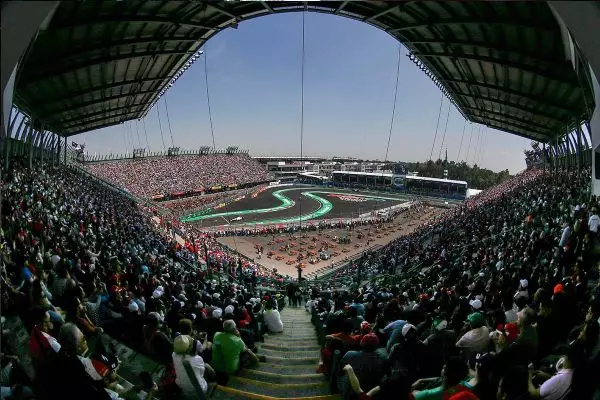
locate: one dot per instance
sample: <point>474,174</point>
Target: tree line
<point>476,177</point>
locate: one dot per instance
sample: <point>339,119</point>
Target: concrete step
<point>289,369</point>
<point>290,342</point>
<point>279,346</point>
<point>229,393</point>
<point>281,377</point>
<point>278,389</point>
<point>292,336</point>
<point>293,361</point>
<point>290,354</point>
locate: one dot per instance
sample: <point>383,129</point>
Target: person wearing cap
<point>410,354</point>
<point>186,350</point>
<point>368,364</point>
<point>476,337</point>
<point>440,343</point>
<point>230,353</point>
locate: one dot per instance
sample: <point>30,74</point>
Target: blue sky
<point>350,72</point>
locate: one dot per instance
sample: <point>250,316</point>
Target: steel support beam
<point>579,151</point>
<point>142,19</point>
<point>534,125</point>
<point>502,89</point>
<point>492,60</point>
<point>84,121</point>
<point>79,106</point>
<point>30,139</point>
<point>515,106</point>
<point>42,147</point>
<point>93,90</point>
<point>51,74</point>
<point>478,21</point>
<point>82,118</point>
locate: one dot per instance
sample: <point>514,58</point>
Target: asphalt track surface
<point>285,205</point>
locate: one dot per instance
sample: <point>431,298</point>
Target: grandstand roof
<point>98,64</point>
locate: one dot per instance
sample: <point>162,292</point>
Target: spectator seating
<point>180,174</point>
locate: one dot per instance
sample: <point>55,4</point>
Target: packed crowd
<point>80,261</point>
<point>497,299</point>
<point>486,292</point>
<point>167,175</point>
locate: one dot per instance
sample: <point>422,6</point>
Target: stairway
<point>289,370</point>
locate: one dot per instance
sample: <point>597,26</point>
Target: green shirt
<point>226,352</point>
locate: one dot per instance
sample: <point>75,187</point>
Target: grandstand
<point>107,296</point>
<point>182,175</point>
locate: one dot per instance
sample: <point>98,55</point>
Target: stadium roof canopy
<point>99,63</point>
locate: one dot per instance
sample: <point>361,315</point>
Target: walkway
<point>289,371</point>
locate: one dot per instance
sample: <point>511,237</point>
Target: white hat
<point>217,312</point>
<point>157,293</point>
<point>133,307</point>
<point>229,309</point>
<point>199,304</point>
<point>216,295</point>
<point>524,283</point>
<point>406,328</point>
<point>476,304</point>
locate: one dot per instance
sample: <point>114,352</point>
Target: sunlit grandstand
<point>311,251</point>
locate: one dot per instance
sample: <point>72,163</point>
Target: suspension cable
<point>169,121</point>
<point>302,96</point>
<point>212,131</point>
<point>469,148</point>
<point>437,125</point>
<point>477,145</point>
<point>302,111</point>
<point>461,141</point>
<point>137,131</point>
<point>394,106</point>
<point>125,137</point>
<point>146,133</point>
<point>160,127</point>
<point>445,128</point>
<point>482,146</point>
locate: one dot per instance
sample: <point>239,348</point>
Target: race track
<point>294,204</point>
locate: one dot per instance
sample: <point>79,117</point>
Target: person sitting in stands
<point>229,351</point>
<point>156,342</point>
<point>71,375</point>
<point>454,375</point>
<point>187,350</point>
<point>272,318</point>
